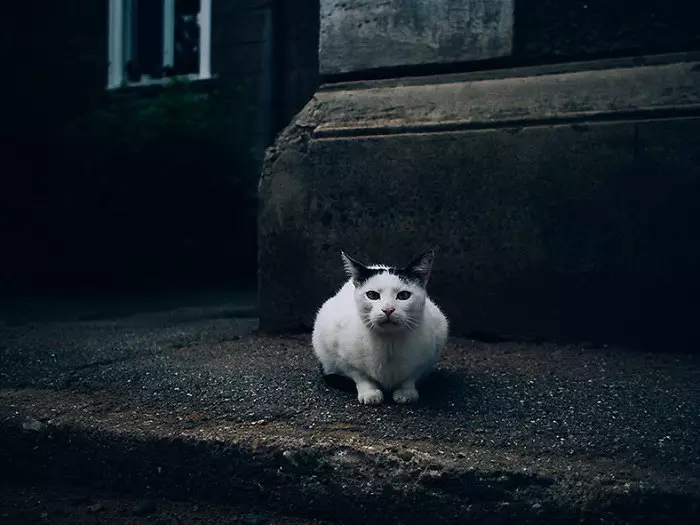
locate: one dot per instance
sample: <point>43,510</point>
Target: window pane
<point>186,37</point>
<point>147,40</point>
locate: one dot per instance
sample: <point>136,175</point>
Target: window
<point>153,40</point>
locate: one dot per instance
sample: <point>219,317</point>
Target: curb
<point>346,481</point>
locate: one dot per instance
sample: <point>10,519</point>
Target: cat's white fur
<point>355,338</point>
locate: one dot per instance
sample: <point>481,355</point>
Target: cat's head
<point>390,299</point>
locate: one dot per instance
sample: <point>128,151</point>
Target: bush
<point>156,187</point>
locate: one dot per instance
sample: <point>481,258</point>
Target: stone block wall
<point>271,48</point>
<point>559,191</point>
<point>242,56</point>
<point>548,30</point>
<point>299,67</point>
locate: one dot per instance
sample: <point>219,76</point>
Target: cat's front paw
<point>371,396</point>
<point>405,395</point>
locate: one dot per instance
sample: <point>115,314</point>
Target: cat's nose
<point>388,311</point>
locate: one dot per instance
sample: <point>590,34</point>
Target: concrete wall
<point>562,201</point>
<point>366,35</point>
<point>561,197</point>
<point>242,57</point>
<point>574,29</point>
<point>299,28</point>
<point>270,48</point>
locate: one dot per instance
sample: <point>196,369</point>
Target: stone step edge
<point>652,91</point>
<point>66,437</point>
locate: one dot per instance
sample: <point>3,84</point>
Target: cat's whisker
<point>411,325</point>
<point>409,322</point>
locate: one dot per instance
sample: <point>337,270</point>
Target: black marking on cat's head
<point>357,271</point>
<point>417,271</point>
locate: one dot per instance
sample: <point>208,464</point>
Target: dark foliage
<point>157,188</point>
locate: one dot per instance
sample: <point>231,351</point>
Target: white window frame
<point>119,40</point>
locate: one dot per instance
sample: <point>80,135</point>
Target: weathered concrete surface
<point>361,35</point>
<point>470,101</point>
<point>204,409</point>
<point>563,204</point>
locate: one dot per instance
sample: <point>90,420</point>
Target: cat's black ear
<point>421,266</point>
<point>355,269</point>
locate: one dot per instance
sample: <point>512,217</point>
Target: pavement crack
<point>101,362</point>
<point>72,374</point>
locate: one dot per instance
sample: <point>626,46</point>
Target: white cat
<point>381,330</point>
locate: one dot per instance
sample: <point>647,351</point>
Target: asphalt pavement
<point>192,403</point>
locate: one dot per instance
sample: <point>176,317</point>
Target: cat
<point>381,329</point>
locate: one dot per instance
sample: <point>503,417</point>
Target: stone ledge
<point>93,439</point>
<point>516,100</point>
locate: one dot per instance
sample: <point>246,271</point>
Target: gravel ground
<point>501,429</point>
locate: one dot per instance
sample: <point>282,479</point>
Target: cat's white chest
<point>390,362</point>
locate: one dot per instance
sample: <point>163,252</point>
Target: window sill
<point>193,78</point>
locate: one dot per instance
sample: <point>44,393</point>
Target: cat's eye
<point>372,295</point>
<point>403,295</point>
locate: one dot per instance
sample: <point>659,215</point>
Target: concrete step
<point>205,409</point>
